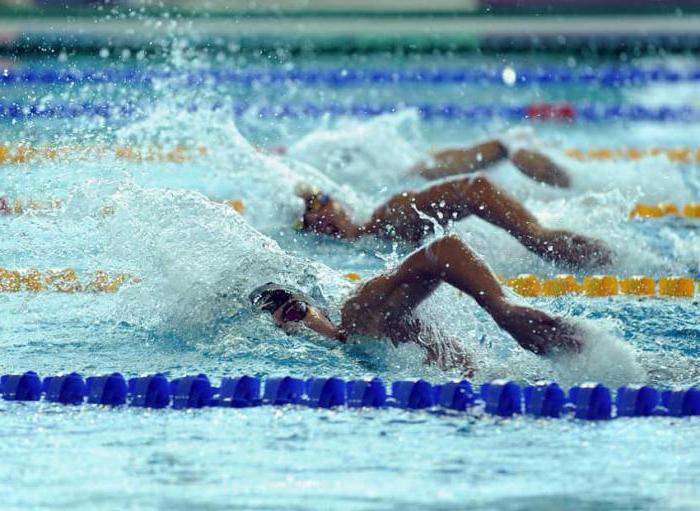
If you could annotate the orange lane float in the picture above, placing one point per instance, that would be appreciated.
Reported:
(594, 286)
(638, 285)
(64, 280)
(663, 209)
(525, 285)
(600, 285)
(674, 154)
(679, 287)
(561, 285)
(182, 153)
(17, 207)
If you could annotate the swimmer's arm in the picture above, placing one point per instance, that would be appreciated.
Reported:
(320, 324)
(450, 162)
(539, 167)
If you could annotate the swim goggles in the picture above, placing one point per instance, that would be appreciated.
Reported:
(294, 312)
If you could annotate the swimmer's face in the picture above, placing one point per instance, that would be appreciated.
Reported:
(325, 215)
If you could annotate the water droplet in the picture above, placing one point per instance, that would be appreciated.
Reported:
(509, 76)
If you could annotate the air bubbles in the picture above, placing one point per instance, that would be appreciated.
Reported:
(104, 53)
(509, 76)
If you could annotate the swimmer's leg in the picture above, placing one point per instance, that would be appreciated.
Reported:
(497, 207)
(451, 162)
(540, 168)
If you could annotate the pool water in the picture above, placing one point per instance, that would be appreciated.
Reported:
(197, 260)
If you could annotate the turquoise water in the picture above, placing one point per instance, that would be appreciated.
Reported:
(167, 229)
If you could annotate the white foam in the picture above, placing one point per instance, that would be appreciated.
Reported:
(604, 357)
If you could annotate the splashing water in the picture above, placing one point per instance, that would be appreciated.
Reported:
(198, 259)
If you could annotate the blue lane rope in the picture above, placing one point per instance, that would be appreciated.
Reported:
(503, 398)
(342, 77)
(444, 111)
(606, 76)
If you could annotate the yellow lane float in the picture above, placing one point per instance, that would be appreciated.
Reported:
(181, 153)
(560, 285)
(679, 287)
(674, 154)
(638, 286)
(19, 207)
(61, 280)
(662, 209)
(692, 210)
(237, 205)
(525, 285)
(602, 285)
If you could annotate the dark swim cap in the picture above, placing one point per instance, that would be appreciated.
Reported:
(270, 296)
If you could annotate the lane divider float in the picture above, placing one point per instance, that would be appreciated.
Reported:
(664, 209)
(503, 398)
(63, 280)
(18, 207)
(26, 153)
(587, 112)
(66, 280)
(675, 154)
(608, 76)
(530, 285)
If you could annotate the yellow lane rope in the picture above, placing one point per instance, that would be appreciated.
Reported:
(662, 209)
(603, 285)
(674, 154)
(594, 285)
(25, 153)
(64, 280)
(28, 153)
(17, 207)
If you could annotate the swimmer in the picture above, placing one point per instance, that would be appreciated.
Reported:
(384, 306)
(518, 144)
(449, 201)
(535, 165)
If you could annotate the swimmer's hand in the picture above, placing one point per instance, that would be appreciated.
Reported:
(304, 190)
(539, 332)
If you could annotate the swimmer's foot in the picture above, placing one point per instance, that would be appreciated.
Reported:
(573, 249)
(537, 331)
